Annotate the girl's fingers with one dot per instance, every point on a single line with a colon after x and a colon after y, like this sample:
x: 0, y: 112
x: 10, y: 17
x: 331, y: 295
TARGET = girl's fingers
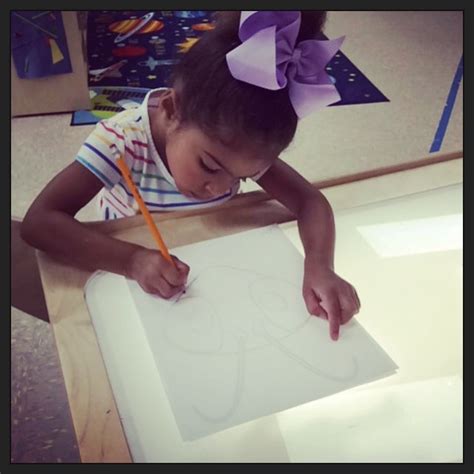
x: 356, y: 298
x: 312, y: 304
x: 331, y: 305
x: 348, y: 308
x: 165, y: 290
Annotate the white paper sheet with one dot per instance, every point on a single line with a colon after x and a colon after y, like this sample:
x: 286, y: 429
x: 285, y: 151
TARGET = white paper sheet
x: 144, y: 409
x: 240, y: 344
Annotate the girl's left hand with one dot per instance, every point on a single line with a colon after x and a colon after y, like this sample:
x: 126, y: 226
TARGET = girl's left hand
x: 329, y: 296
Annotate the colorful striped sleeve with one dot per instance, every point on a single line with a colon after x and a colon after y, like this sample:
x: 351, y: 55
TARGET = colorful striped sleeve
x: 100, y: 151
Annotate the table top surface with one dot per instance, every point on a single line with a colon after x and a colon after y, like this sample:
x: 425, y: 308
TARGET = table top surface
x: 94, y: 412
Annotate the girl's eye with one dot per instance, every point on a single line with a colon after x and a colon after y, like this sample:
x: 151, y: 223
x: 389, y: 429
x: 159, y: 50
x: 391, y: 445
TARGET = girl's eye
x: 209, y: 170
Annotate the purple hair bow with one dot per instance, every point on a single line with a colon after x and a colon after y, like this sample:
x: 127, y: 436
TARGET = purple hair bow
x: 268, y: 58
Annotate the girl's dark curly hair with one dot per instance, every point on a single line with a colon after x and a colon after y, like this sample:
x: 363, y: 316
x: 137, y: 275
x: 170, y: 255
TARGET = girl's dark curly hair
x: 226, y: 108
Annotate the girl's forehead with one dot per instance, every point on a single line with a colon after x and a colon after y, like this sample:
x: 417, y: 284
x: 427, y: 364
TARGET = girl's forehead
x: 236, y: 150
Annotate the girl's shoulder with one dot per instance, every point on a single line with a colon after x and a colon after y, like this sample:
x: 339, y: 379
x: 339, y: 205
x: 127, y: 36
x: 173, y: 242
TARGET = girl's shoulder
x: 129, y: 124
x: 126, y: 117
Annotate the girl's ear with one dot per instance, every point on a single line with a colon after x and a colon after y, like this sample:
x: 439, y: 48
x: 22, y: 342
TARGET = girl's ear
x: 168, y: 102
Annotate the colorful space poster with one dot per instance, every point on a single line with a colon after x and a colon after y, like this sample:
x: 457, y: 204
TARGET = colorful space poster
x: 139, y: 48
x: 136, y: 50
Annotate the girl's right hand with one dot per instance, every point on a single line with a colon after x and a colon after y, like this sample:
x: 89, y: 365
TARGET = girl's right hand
x: 155, y: 274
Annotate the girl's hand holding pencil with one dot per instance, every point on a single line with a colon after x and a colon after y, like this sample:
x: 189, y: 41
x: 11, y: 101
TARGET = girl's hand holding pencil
x: 156, y: 275
x: 157, y: 272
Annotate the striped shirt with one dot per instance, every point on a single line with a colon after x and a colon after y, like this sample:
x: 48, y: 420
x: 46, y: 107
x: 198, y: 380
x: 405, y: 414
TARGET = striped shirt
x: 128, y: 134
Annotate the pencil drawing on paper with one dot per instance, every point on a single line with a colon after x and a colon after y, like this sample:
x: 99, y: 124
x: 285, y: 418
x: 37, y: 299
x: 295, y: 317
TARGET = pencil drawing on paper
x: 199, y: 325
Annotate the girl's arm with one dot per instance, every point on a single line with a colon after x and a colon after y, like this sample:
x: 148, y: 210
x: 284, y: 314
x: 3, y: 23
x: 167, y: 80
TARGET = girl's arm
x: 49, y: 225
x: 311, y: 208
x: 325, y: 293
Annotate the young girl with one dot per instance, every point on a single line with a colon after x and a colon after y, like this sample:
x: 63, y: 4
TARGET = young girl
x: 233, y: 107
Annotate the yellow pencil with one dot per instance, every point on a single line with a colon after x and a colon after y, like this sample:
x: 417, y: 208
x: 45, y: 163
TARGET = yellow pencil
x: 146, y: 213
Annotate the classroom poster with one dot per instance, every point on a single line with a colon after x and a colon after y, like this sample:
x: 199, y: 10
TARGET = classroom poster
x: 38, y: 43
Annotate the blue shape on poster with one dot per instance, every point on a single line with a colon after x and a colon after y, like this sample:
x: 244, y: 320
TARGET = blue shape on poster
x: 351, y: 83
x: 150, y: 62
x: 190, y: 13
x: 38, y: 44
